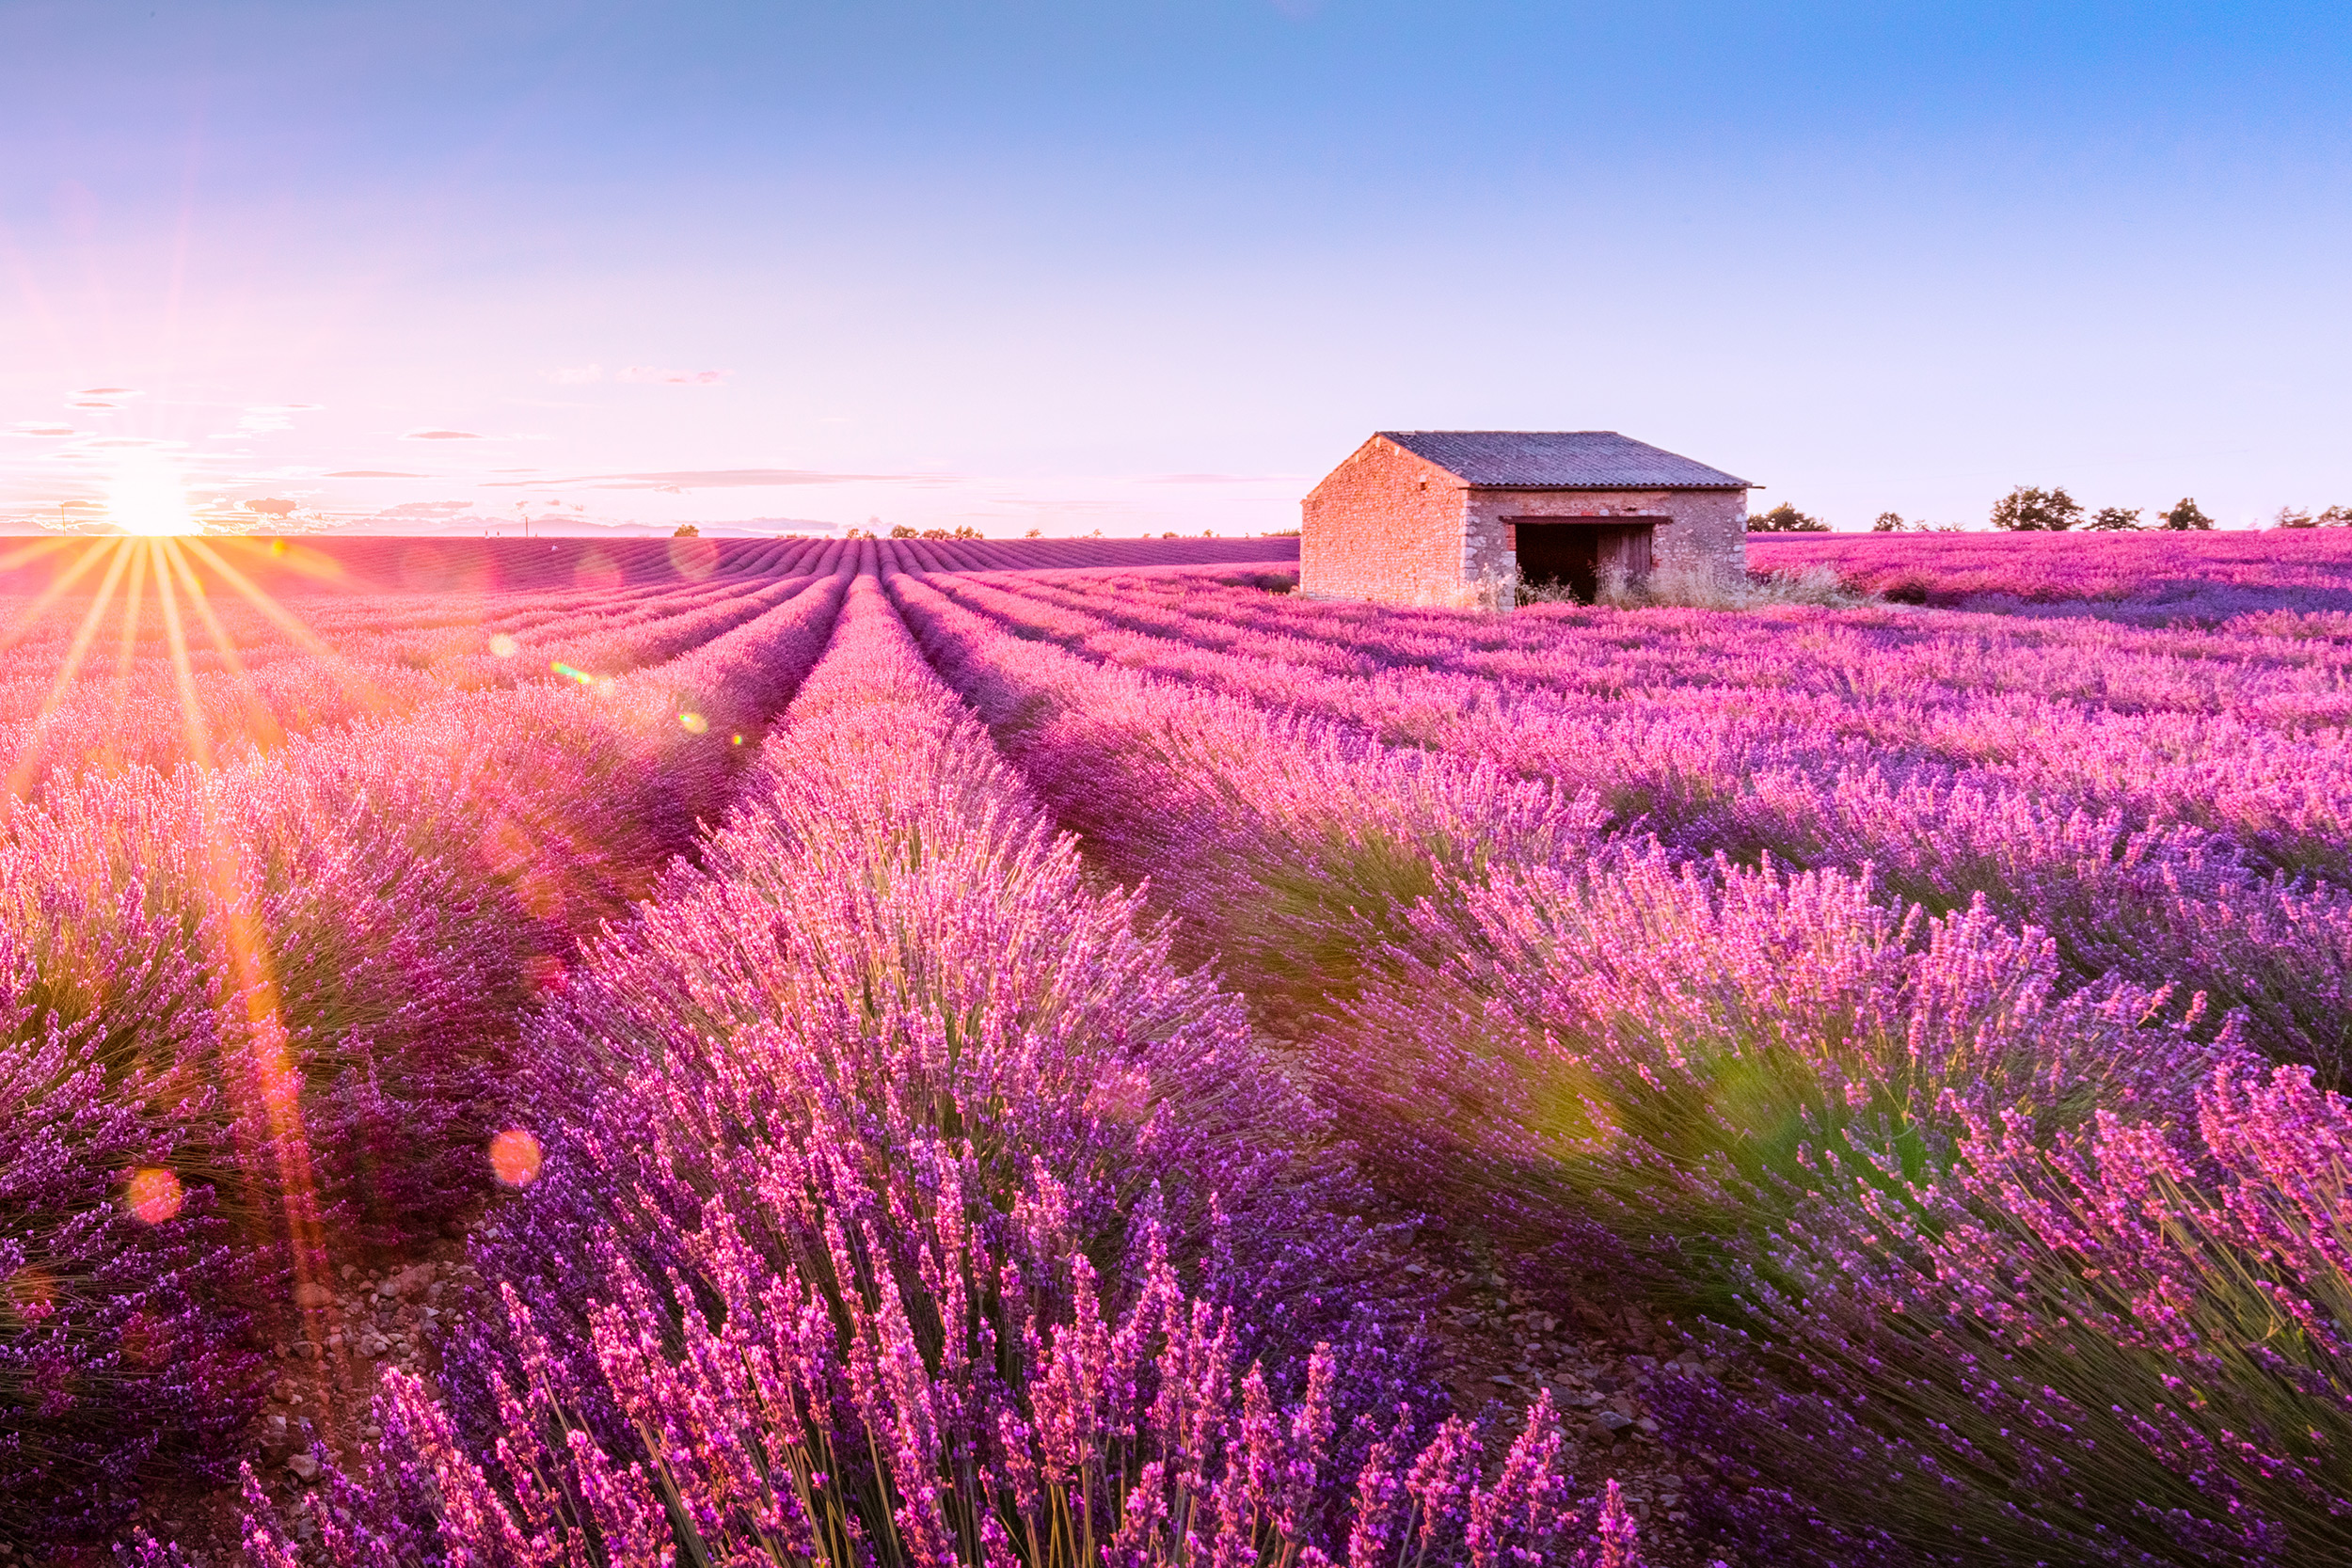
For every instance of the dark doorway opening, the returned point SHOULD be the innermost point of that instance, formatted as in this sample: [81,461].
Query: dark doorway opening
[1575,554]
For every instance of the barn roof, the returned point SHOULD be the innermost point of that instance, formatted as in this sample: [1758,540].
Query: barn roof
[1560,460]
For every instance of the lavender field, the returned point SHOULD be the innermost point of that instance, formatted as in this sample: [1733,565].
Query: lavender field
[1063,1051]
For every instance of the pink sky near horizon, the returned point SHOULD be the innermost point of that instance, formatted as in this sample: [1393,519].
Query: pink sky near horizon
[507,464]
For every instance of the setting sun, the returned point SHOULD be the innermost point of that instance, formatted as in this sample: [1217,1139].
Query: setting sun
[149,499]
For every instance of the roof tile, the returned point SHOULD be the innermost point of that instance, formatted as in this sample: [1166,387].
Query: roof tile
[1559,459]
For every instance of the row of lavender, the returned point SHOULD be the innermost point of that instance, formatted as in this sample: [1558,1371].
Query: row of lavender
[2151,578]
[904,1203]
[264,1010]
[2169,806]
[2019,1254]
[129,676]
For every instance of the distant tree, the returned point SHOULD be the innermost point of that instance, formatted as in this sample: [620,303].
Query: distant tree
[2113,519]
[1170,534]
[901,530]
[2292,517]
[2186,516]
[1785,518]
[1886,522]
[1034,533]
[2027,510]
[2335,516]
[685,530]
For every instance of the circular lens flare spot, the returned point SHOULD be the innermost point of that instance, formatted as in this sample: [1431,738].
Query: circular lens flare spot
[737,741]
[504,646]
[515,1157]
[695,723]
[153,1196]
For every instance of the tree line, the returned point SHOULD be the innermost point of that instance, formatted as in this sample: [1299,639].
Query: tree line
[2028,509]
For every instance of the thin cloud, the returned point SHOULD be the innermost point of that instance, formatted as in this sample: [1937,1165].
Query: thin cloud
[671,378]
[708,478]
[29,429]
[87,405]
[443,436]
[574,375]
[426,509]
[107,392]
[1225,478]
[370,473]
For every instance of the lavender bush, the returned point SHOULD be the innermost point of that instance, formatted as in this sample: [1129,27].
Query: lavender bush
[2123,1347]
[122,1348]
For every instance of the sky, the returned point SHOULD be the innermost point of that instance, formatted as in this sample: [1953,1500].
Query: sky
[1140,265]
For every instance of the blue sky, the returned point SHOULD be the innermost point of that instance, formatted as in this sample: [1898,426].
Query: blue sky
[1138,267]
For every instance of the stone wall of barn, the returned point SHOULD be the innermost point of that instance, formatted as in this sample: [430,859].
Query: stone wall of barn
[1385,526]
[1702,525]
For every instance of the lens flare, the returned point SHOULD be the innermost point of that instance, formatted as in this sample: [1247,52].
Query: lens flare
[148,498]
[504,646]
[153,1196]
[694,723]
[515,1157]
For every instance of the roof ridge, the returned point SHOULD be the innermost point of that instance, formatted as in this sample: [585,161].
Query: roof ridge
[1559,459]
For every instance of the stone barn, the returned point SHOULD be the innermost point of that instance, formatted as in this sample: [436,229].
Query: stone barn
[1447,517]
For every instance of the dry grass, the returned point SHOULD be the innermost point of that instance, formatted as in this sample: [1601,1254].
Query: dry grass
[1704,585]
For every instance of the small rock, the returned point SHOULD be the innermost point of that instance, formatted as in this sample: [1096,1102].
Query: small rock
[311,1294]
[1612,1422]
[305,1467]
[408,1282]
[372,1345]
[1647,1425]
